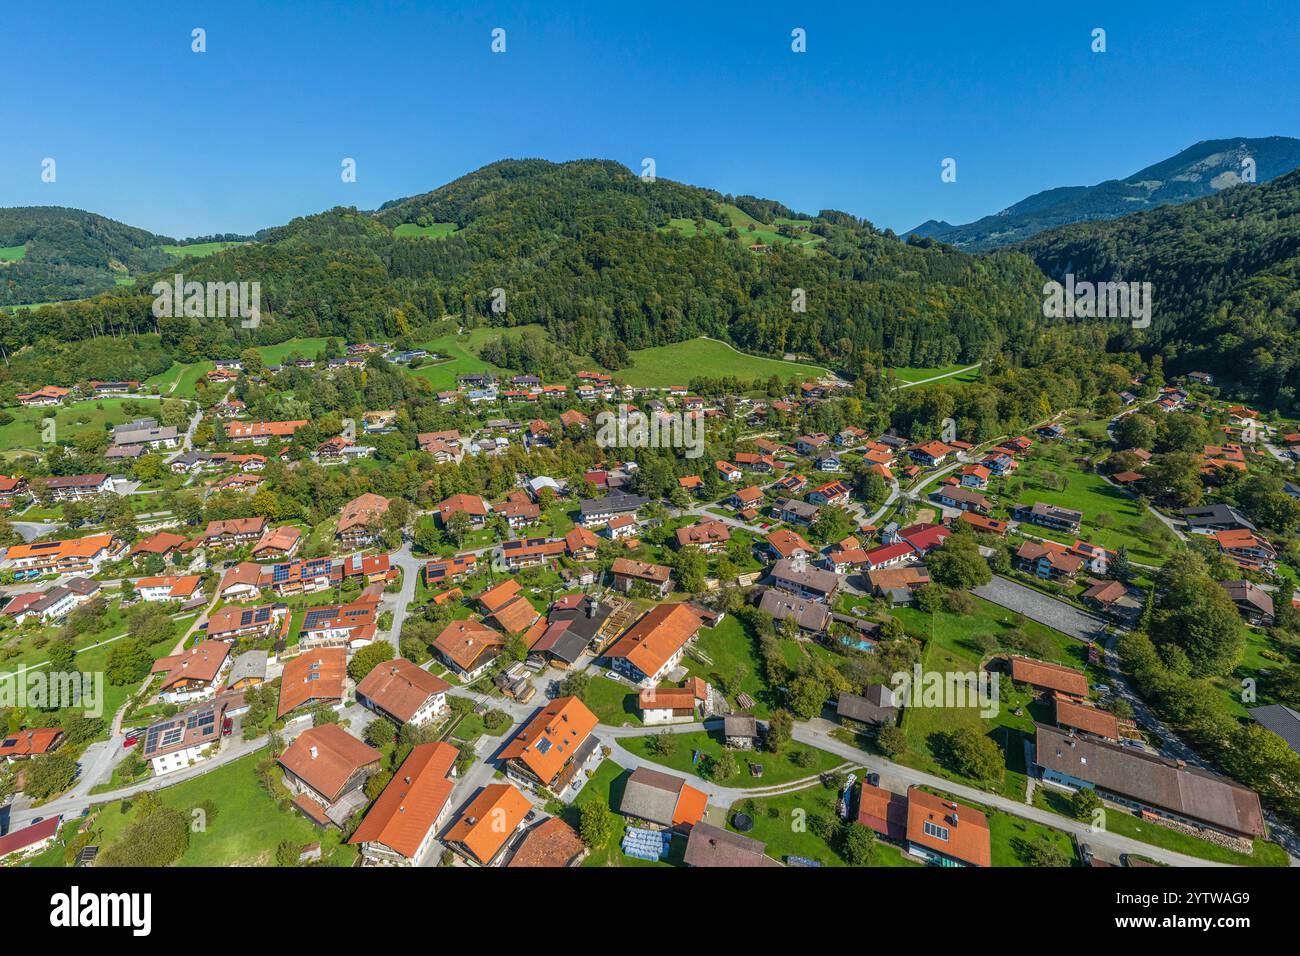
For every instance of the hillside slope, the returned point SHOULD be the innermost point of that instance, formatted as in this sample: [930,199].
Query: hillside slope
[1225,272]
[1198,171]
[606,262]
[69,253]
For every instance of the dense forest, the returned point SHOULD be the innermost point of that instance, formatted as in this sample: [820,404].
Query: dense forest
[1225,275]
[585,249]
[601,260]
[68,253]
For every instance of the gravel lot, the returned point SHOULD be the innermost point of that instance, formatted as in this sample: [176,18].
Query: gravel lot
[1039,607]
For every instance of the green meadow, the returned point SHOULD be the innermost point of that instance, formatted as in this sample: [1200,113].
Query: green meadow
[677,364]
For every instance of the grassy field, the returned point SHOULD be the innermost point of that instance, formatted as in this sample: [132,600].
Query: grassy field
[248,825]
[731,650]
[751,230]
[461,354]
[13,253]
[612,702]
[197,250]
[1009,837]
[1086,491]
[439,230]
[680,362]
[951,648]
[70,421]
[774,824]
[921,374]
[778,768]
[181,380]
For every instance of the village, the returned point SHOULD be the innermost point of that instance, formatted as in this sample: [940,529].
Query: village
[587,661]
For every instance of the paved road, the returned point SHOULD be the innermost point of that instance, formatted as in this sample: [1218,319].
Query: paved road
[401,601]
[1042,608]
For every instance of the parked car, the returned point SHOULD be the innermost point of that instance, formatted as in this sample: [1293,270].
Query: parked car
[131,740]
[227,726]
[873,779]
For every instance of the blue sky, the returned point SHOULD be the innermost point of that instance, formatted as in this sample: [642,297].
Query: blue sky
[252,132]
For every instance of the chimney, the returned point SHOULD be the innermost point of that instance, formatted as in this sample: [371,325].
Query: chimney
[407,778]
[314,752]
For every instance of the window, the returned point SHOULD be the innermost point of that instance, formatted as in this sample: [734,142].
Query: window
[936,831]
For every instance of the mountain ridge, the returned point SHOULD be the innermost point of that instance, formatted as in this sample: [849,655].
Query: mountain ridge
[1201,169]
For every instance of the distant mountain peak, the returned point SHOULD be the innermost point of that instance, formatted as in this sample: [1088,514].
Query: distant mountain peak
[1202,169]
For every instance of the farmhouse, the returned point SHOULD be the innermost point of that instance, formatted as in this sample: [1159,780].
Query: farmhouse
[77,487]
[662,799]
[248,623]
[1048,516]
[550,750]
[180,741]
[1043,675]
[710,846]
[468,647]
[797,578]
[810,615]
[233,532]
[627,572]
[945,833]
[963,499]
[707,534]
[487,823]
[1149,783]
[400,827]
[654,645]
[194,673]
[326,767]
[260,433]
[315,676]
[360,520]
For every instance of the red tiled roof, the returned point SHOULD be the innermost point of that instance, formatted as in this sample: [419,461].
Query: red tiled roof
[412,801]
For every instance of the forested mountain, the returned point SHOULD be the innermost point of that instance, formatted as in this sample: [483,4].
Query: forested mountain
[1201,170]
[56,253]
[1225,275]
[606,262]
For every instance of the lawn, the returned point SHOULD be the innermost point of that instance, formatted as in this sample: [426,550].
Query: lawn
[1088,492]
[680,362]
[438,230]
[778,768]
[33,650]
[606,785]
[13,253]
[181,380]
[1126,824]
[248,825]
[750,229]
[1009,837]
[950,647]
[612,702]
[70,421]
[775,825]
[460,355]
[727,655]
[905,375]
